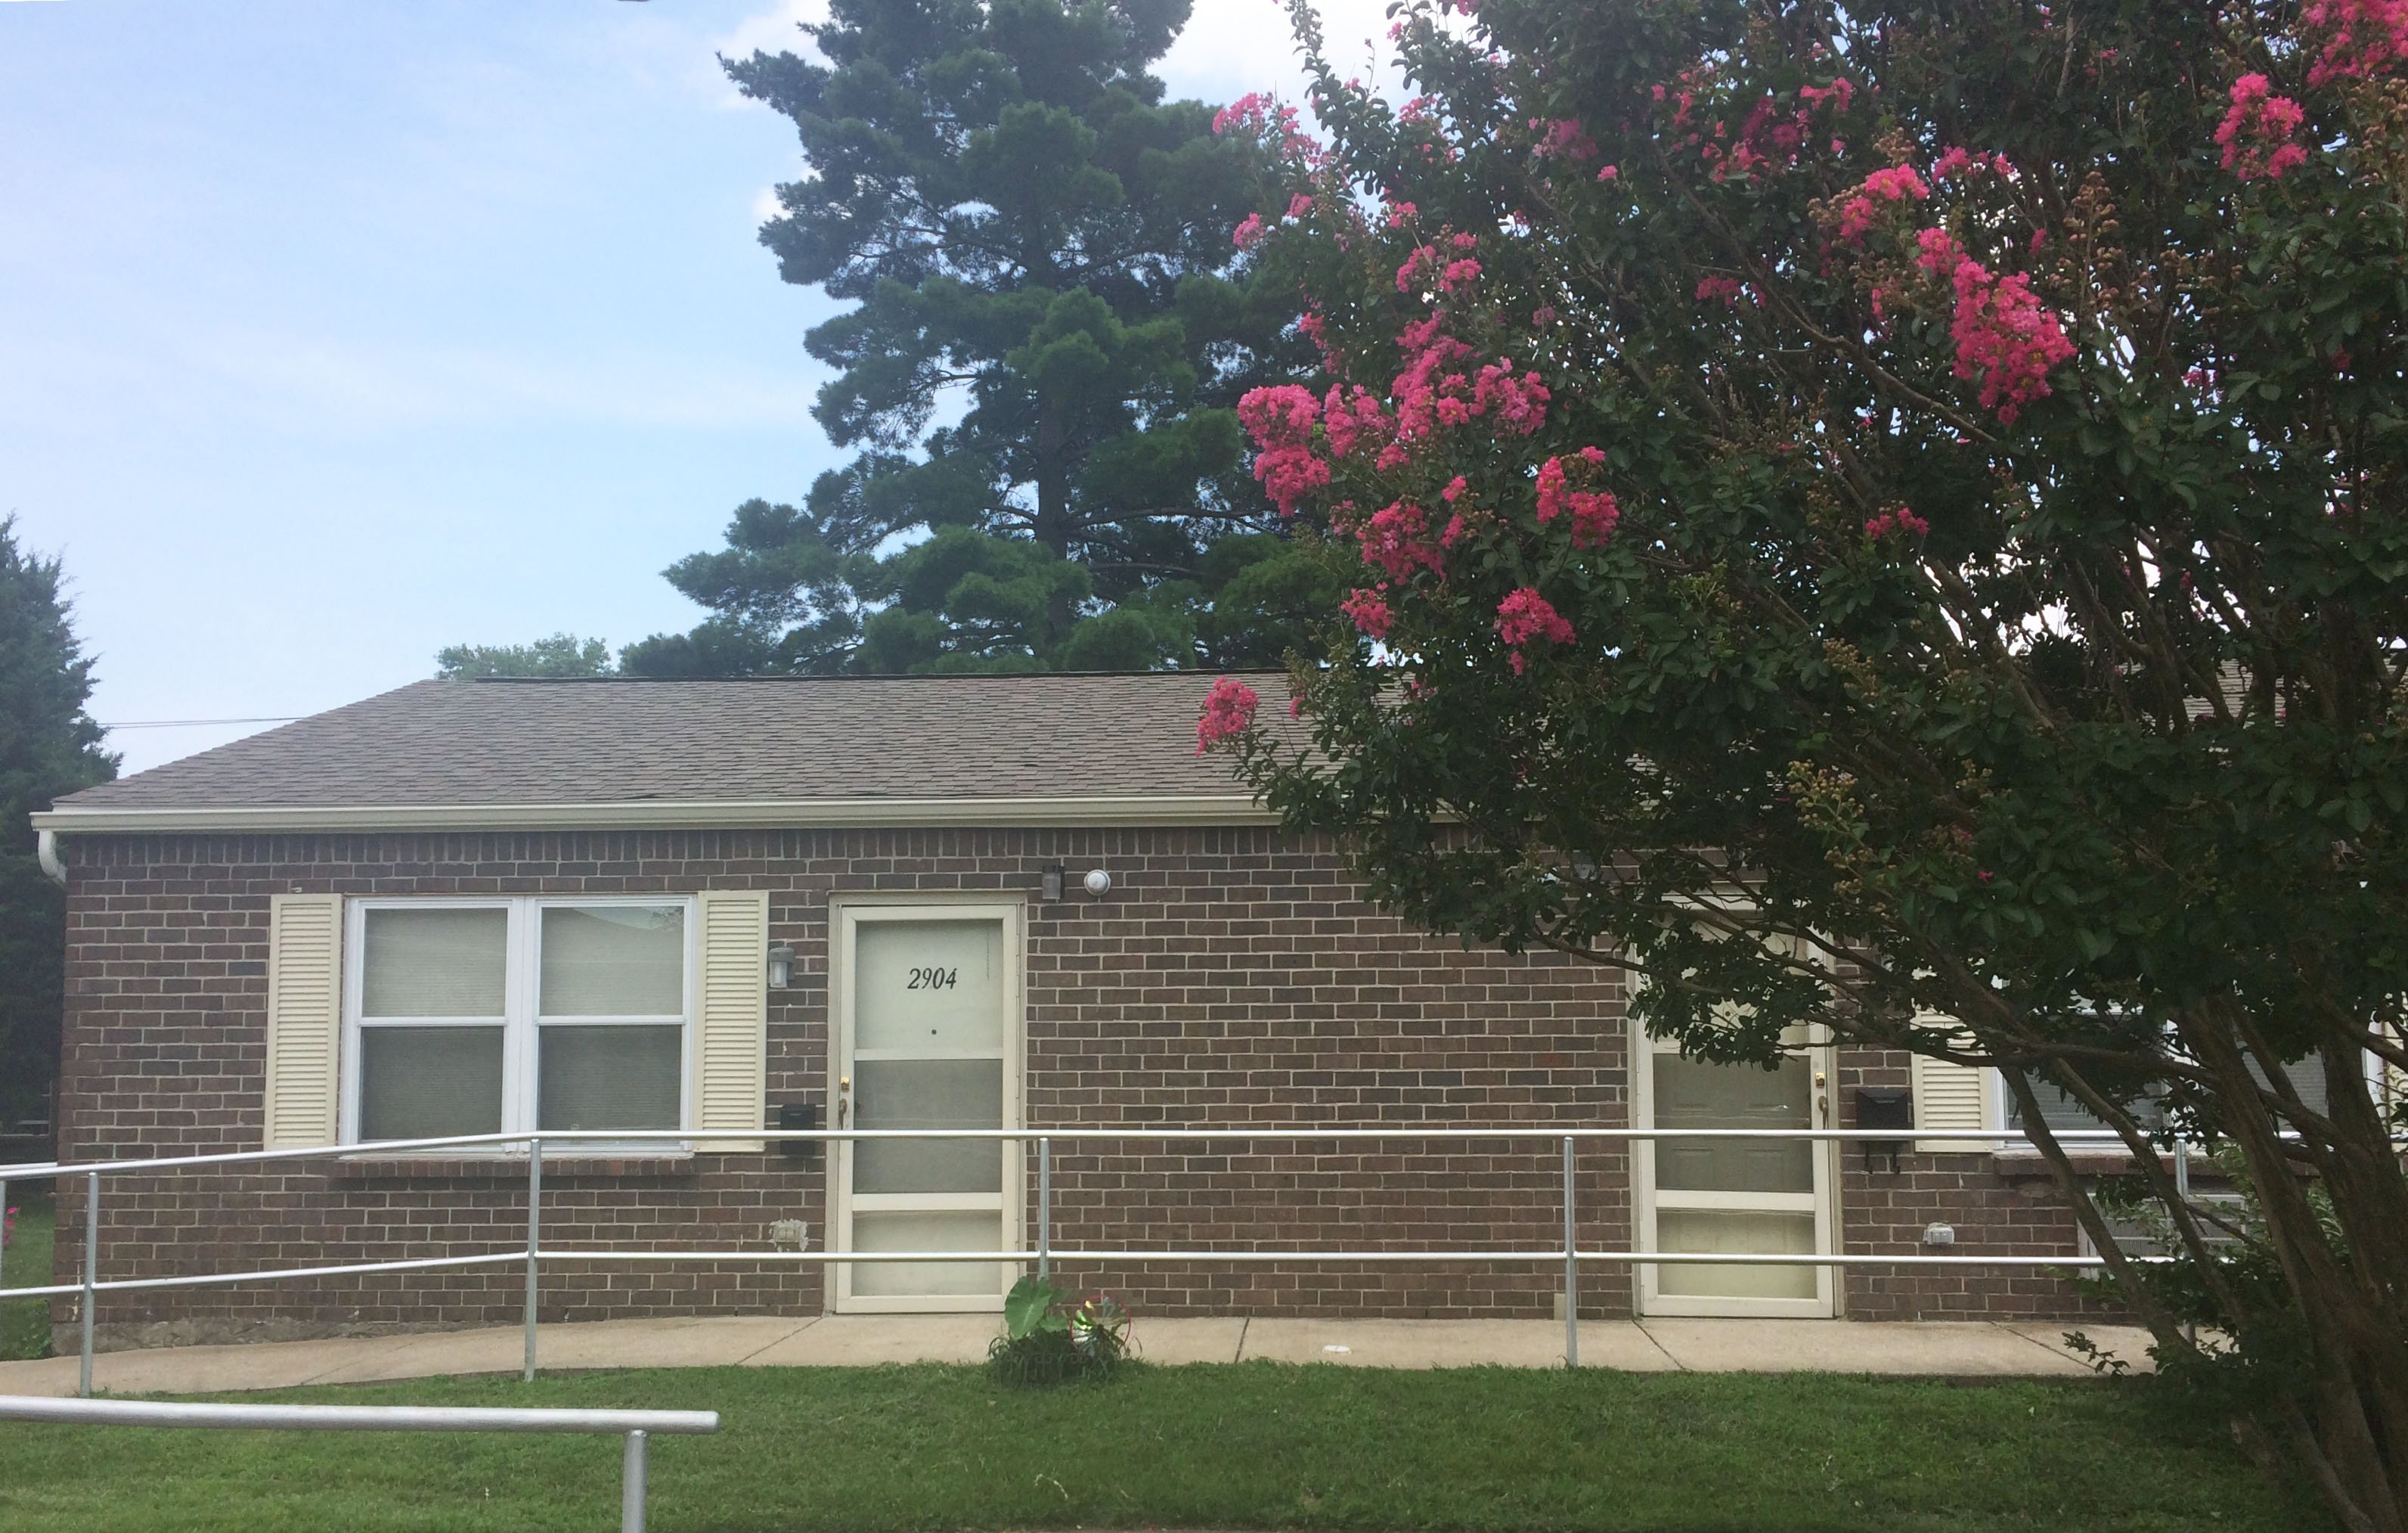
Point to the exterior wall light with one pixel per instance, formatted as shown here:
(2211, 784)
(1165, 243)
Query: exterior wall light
(1098, 883)
(781, 967)
(1050, 883)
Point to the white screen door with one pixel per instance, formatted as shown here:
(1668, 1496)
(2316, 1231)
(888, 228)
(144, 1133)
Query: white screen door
(1733, 1196)
(928, 1024)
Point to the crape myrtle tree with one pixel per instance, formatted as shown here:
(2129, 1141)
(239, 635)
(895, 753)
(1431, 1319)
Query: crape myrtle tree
(1050, 327)
(49, 746)
(1895, 517)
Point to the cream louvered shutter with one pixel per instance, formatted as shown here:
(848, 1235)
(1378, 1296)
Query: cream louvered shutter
(1951, 1096)
(305, 1018)
(732, 1053)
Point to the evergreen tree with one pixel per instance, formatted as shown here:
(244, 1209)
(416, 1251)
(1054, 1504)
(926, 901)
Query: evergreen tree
(49, 746)
(1051, 325)
(561, 656)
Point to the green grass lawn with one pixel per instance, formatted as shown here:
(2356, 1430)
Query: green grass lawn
(1252, 1445)
(25, 1325)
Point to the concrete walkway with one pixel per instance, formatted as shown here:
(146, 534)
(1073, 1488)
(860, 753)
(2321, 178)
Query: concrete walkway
(1951, 1350)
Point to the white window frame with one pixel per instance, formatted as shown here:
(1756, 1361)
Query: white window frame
(521, 1022)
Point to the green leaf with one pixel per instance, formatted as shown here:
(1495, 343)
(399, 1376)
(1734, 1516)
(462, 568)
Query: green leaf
(1029, 1307)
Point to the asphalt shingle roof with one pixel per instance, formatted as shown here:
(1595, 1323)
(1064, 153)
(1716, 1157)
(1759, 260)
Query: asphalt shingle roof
(920, 738)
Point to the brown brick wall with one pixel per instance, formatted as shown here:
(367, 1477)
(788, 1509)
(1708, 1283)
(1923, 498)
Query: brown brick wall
(1229, 979)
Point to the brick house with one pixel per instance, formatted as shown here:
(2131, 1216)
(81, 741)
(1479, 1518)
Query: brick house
(469, 907)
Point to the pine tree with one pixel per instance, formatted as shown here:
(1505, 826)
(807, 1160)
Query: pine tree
(1051, 325)
(49, 746)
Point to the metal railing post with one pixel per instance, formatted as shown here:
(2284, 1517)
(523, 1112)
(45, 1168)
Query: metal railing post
(535, 1226)
(631, 1486)
(1044, 1207)
(91, 1276)
(2182, 1196)
(1572, 1266)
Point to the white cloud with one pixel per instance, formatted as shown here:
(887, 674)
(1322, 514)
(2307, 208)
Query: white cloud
(1231, 47)
(772, 30)
(316, 384)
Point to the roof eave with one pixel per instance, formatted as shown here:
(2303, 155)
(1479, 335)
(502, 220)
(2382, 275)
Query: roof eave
(651, 814)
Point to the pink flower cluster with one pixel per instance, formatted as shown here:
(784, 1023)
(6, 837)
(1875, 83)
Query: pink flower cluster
(1958, 160)
(1593, 512)
(1563, 139)
(1525, 617)
(2364, 38)
(2005, 337)
(1261, 115)
(1453, 271)
(1249, 233)
(1891, 185)
(1280, 420)
(1229, 712)
(1396, 538)
(1899, 520)
(1769, 136)
(1369, 610)
(1352, 419)
(1726, 288)
(1432, 393)
(2257, 132)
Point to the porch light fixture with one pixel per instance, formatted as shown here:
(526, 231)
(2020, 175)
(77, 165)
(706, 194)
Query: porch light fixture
(781, 967)
(1098, 883)
(1050, 883)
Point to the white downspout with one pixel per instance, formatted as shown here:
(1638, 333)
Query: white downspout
(46, 852)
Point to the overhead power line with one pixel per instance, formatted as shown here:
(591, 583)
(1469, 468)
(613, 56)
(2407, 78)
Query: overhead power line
(193, 723)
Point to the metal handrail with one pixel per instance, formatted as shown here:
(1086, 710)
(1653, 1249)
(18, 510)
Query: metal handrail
(534, 1145)
(635, 1426)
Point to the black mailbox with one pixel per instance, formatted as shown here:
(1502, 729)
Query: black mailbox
(1884, 1106)
(798, 1115)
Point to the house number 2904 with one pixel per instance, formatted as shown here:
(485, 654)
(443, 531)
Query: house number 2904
(933, 979)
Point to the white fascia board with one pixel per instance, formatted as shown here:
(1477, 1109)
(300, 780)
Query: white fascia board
(651, 814)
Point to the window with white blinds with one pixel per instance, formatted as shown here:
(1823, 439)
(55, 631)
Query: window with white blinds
(507, 1015)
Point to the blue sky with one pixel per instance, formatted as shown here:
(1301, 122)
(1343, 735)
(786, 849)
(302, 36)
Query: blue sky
(330, 335)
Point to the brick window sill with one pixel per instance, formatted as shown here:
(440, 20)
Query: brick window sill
(506, 1168)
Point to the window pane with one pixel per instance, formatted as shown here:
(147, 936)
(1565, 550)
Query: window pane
(1736, 1232)
(430, 1083)
(927, 1232)
(433, 963)
(1692, 1093)
(606, 1078)
(2307, 1077)
(928, 985)
(927, 1093)
(2062, 1111)
(613, 960)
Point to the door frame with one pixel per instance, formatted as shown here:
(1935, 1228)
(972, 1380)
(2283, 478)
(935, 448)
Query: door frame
(846, 915)
(1823, 1066)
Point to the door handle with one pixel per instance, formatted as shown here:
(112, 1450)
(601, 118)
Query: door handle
(844, 1101)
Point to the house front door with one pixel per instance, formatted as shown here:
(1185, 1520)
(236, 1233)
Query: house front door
(1752, 1196)
(925, 1008)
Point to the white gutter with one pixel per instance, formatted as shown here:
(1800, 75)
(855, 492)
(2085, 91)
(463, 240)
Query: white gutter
(1133, 810)
(46, 852)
